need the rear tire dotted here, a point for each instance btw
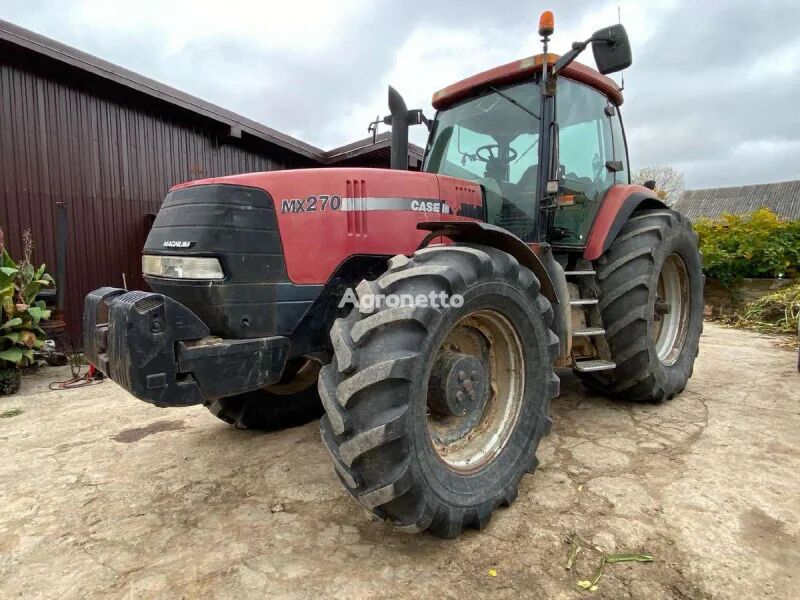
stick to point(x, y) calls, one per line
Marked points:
point(293, 401)
point(655, 254)
point(383, 436)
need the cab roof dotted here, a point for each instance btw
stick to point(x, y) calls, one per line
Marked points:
point(524, 69)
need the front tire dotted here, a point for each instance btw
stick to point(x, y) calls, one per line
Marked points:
point(291, 402)
point(651, 301)
point(396, 446)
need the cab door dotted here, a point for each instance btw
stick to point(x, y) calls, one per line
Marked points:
point(588, 159)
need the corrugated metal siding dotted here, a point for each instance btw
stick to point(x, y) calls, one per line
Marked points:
point(110, 155)
point(783, 198)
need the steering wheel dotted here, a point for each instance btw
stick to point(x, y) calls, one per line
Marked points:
point(486, 154)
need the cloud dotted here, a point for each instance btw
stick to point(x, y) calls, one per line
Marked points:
point(713, 93)
point(712, 90)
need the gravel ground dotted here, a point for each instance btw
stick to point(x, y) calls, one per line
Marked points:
point(106, 496)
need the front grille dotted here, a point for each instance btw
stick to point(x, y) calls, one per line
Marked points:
point(237, 225)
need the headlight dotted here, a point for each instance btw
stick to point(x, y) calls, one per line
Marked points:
point(182, 267)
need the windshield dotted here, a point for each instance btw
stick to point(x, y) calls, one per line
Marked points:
point(494, 142)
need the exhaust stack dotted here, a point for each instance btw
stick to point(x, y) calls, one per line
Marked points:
point(399, 122)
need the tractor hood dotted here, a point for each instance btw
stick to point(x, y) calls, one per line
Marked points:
point(325, 216)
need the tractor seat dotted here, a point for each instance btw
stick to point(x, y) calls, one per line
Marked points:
point(502, 199)
point(529, 179)
point(494, 199)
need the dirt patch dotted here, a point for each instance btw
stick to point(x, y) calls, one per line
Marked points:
point(707, 484)
point(129, 436)
point(767, 536)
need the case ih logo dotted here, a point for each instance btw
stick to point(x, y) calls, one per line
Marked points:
point(177, 244)
point(434, 206)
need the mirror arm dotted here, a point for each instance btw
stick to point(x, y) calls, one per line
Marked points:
point(577, 48)
point(566, 59)
point(417, 117)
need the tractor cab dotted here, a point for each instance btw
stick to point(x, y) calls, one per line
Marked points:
point(542, 136)
point(493, 139)
point(489, 132)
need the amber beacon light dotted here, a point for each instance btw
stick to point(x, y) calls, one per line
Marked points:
point(546, 23)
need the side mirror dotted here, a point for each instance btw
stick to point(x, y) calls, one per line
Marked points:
point(417, 117)
point(612, 51)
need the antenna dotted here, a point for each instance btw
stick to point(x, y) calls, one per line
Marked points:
point(373, 128)
point(622, 73)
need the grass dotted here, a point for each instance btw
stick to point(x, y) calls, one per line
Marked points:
point(11, 412)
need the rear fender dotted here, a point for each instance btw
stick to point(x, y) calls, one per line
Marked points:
point(618, 205)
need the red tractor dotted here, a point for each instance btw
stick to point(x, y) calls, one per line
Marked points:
point(424, 313)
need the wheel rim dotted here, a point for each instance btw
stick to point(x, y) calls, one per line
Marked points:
point(467, 442)
point(302, 379)
point(671, 310)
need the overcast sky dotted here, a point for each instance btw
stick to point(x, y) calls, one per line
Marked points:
point(714, 89)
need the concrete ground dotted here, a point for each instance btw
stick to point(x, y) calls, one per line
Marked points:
point(104, 496)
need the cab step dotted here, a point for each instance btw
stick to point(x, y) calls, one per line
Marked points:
point(587, 331)
point(579, 273)
point(589, 366)
point(583, 302)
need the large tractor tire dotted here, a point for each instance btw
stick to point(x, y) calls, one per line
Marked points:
point(434, 414)
point(651, 300)
point(292, 401)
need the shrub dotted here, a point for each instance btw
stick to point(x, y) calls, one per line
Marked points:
point(21, 313)
point(757, 244)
